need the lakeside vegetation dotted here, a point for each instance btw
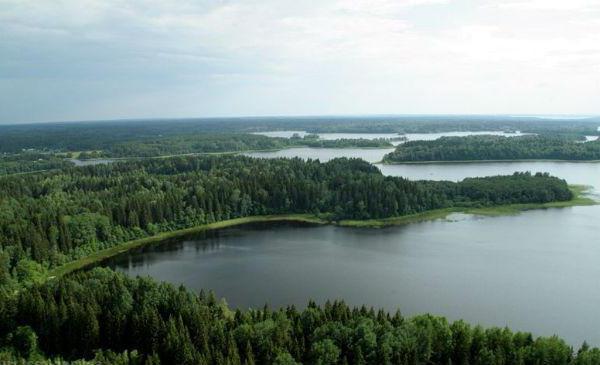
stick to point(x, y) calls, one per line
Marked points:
point(54, 223)
point(313, 140)
point(170, 146)
point(29, 162)
point(108, 318)
point(52, 218)
point(102, 136)
point(579, 199)
point(496, 148)
point(102, 255)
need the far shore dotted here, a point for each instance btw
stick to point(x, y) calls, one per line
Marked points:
point(579, 199)
point(435, 162)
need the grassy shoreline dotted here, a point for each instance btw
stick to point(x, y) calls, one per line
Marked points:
point(579, 199)
point(129, 245)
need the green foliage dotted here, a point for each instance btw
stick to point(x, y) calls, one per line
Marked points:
point(109, 318)
point(345, 142)
point(30, 161)
point(23, 340)
point(195, 143)
point(101, 136)
point(487, 147)
point(227, 142)
point(325, 352)
point(51, 218)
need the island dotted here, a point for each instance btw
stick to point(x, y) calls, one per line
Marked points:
point(496, 148)
point(57, 222)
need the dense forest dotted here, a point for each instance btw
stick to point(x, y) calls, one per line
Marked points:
point(228, 142)
point(487, 147)
point(195, 143)
point(29, 161)
point(109, 318)
point(312, 140)
point(93, 136)
point(47, 219)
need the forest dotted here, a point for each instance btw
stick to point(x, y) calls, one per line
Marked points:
point(102, 135)
point(50, 218)
point(228, 142)
point(29, 162)
point(487, 147)
point(108, 318)
point(97, 316)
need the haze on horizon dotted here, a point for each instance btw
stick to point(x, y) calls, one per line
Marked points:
point(112, 59)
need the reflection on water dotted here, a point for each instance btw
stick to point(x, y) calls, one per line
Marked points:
point(516, 270)
point(325, 154)
point(90, 162)
point(537, 271)
point(409, 136)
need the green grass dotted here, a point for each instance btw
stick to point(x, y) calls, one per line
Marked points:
point(112, 251)
point(579, 198)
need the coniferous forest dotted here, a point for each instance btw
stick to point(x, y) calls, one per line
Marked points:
point(227, 182)
point(58, 216)
point(108, 318)
point(487, 147)
point(51, 218)
point(52, 214)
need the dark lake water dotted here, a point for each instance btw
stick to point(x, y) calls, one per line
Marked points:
point(537, 271)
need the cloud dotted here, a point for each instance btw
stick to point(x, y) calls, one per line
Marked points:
point(113, 58)
point(553, 5)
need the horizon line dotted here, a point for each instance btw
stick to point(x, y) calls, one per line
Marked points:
point(542, 116)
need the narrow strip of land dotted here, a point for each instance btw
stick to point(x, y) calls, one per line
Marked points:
point(579, 199)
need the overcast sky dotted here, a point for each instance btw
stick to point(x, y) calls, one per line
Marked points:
point(105, 59)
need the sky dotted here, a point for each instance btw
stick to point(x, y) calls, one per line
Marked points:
point(111, 59)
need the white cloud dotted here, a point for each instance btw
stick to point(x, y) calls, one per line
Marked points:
point(555, 5)
point(237, 57)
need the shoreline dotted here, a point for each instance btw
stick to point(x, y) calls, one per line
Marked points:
point(480, 161)
point(579, 199)
point(125, 158)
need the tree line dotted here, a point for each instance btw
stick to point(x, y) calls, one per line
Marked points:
point(228, 142)
point(94, 136)
point(108, 318)
point(50, 218)
point(29, 162)
point(487, 147)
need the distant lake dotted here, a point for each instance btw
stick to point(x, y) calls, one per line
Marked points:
point(325, 154)
point(409, 136)
point(90, 162)
point(537, 271)
point(370, 155)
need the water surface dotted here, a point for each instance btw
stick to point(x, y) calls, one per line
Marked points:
point(537, 271)
point(325, 154)
point(91, 162)
point(409, 136)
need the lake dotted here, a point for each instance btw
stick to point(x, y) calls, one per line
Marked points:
point(409, 136)
point(325, 154)
point(537, 271)
point(91, 161)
